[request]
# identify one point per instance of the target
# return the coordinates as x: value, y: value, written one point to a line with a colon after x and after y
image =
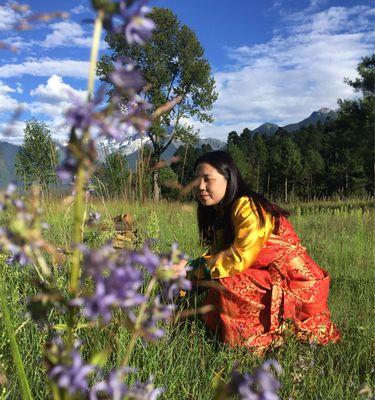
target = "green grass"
x: 338, y: 236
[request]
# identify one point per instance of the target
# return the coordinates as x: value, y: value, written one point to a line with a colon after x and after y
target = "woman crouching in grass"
x: 265, y: 280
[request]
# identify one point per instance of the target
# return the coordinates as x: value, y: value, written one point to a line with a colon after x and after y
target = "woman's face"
x: 211, y: 185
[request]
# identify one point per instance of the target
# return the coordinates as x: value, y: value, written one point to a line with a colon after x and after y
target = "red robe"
x: 282, y: 290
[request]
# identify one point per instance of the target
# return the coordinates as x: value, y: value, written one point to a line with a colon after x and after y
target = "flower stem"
x: 79, y: 206
x: 137, y: 324
x: 22, y: 378
x: 94, y: 52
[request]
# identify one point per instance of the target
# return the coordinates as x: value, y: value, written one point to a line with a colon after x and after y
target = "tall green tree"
x: 175, y: 67
x: 287, y: 160
x: 37, y: 158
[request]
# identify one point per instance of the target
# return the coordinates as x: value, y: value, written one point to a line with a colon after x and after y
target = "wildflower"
x: 136, y: 27
x: 126, y: 78
x: 93, y: 219
x: 115, y: 388
x: 68, y: 169
x: 156, y: 313
x: 261, y: 385
x: 144, y: 391
x: 99, y: 304
x: 96, y: 261
x: 147, y: 259
x: 73, y: 375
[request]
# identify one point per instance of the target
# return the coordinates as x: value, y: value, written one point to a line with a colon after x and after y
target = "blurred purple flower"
x: 147, y: 259
x: 97, y: 261
x: 126, y: 78
x: 81, y: 115
x: 136, y: 27
x: 114, y: 388
x: 158, y: 312
x: 72, y: 376
x: 68, y: 169
x: 18, y: 253
x: 93, y: 219
x: 99, y: 304
x: 261, y: 385
x: 144, y: 391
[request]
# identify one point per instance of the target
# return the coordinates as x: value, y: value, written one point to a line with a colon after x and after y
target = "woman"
x: 266, y: 282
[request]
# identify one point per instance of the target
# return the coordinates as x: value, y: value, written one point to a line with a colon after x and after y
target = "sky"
x: 273, y: 60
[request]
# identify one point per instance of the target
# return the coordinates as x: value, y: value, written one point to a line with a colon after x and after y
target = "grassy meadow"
x: 188, y: 360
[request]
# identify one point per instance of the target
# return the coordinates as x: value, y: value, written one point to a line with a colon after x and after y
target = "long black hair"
x: 236, y: 188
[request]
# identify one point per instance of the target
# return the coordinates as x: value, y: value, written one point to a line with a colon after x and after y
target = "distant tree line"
x: 322, y: 160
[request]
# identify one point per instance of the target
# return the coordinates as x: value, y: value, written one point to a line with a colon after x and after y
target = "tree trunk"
x: 286, y: 189
x: 258, y: 178
x: 155, y: 178
x: 268, y: 184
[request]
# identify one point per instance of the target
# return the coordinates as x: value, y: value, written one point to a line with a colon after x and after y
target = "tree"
x: 176, y: 70
x: 233, y: 138
x: 37, y: 158
x: 313, y: 166
x: 286, y: 159
x: 258, y: 157
x: 113, y: 173
x: 353, y: 138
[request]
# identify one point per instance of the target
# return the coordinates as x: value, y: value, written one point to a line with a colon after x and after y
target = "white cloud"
x: 51, y: 102
x: 8, y: 104
x: 55, y: 91
x: 46, y: 67
x: 299, y: 71
x: 8, y: 18
x: 80, y: 9
x: 67, y: 34
x: 12, y: 133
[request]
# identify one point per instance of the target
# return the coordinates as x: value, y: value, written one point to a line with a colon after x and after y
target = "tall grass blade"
x: 24, y: 384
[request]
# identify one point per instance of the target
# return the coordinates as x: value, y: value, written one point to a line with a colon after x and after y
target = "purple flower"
x: 158, y: 312
x: 126, y: 78
x: 114, y: 388
x: 144, y: 391
x: 261, y: 385
x: 136, y: 28
x: 97, y: 261
x: 18, y: 254
x: 99, y: 304
x: 68, y: 169
x: 93, y: 219
x: 81, y: 115
x: 73, y: 375
x: 125, y: 282
x: 147, y: 259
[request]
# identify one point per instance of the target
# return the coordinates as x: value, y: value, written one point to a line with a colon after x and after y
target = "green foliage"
x: 168, y: 181
x: 152, y: 231
x: 37, y: 158
x: 174, y: 65
x: 113, y: 173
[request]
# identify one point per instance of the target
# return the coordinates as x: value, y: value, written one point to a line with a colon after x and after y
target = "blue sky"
x: 273, y: 60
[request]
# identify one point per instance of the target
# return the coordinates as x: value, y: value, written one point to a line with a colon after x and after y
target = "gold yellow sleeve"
x: 248, y: 241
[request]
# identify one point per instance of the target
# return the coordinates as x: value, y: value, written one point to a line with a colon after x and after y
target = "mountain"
x: 266, y: 129
x: 321, y: 115
x: 8, y: 154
